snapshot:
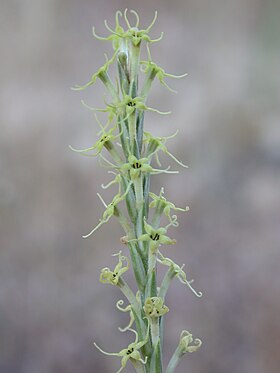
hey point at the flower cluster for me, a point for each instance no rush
(131, 154)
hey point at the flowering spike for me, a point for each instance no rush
(131, 152)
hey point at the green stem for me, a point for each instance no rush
(138, 187)
(174, 361)
(155, 330)
(128, 293)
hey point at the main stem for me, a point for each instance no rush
(133, 140)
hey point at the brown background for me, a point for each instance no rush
(52, 306)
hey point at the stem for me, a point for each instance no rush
(174, 361)
(138, 187)
(128, 293)
(155, 330)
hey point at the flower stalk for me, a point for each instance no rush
(139, 211)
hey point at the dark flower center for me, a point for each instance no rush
(136, 165)
(155, 237)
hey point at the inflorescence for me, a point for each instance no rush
(131, 151)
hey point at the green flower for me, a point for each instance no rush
(112, 277)
(111, 209)
(101, 74)
(156, 237)
(158, 143)
(177, 271)
(163, 205)
(137, 166)
(105, 140)
(128, 106)
(130, 353)
(124, 108)
(154, 307)
(186, 339)
(133, 33)
(116, 36)
(153, 70)
(185, 345)
(136, 35)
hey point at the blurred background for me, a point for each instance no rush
(52, 306)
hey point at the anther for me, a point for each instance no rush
(155, 237)
(136, 165)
